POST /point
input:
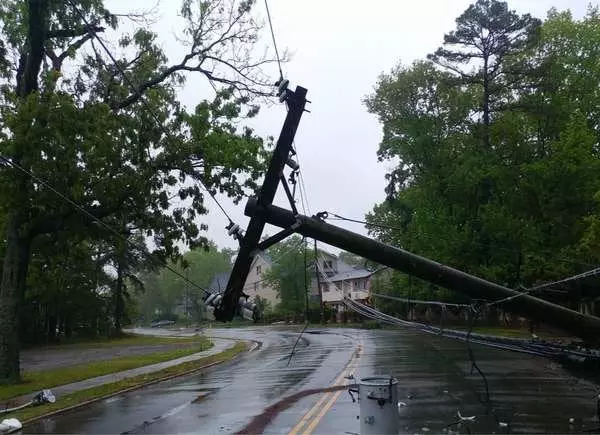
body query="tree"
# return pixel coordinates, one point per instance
(523, 210)
(70, 117)
(288, 274)
(164, 290)
(487, 32)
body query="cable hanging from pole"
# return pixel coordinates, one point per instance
(274, 40)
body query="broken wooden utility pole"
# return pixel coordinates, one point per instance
(581, 325)
(296, 102)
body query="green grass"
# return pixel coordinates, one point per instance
(124, 340)
(69, 400)
(36, 380)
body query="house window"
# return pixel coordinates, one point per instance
(325, 287)
(355, 284)
(258, 269)
(328, 264)
(363, 284)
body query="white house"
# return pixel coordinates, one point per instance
(339, 280)
(256, 284)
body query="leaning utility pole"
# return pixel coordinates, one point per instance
(249, 243)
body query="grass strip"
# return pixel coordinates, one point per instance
(123, 340)
(36, 380)
(90, 395)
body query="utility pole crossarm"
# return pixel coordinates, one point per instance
(578, 324)
(296, 102)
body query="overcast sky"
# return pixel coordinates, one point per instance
(338, 48)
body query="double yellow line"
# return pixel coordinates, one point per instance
(306, 426)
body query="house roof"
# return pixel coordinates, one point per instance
(219, 282)
(354, 273)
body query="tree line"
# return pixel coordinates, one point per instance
(104, 174)
(495, 144)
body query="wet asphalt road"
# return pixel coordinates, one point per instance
(530, 394)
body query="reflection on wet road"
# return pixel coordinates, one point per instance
(435, 381)
(230, 394)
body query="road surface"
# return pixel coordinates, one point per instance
(527, 394)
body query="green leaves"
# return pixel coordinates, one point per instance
(522, 209)
(121, 147)
(287, 274)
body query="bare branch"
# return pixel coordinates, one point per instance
(57, 61)
(221, 36)
(73, 33)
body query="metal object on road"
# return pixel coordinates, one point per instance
(378, 402)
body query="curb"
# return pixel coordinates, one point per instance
(133, 388)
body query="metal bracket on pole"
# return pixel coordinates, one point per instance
(276, 238)
(296, 100)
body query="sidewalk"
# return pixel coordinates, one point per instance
(220, 345)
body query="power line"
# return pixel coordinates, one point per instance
(437, 237)
(415, 301)
(589, 273)
(368, 224)
(274, 40)
(131, 84)
(303, 191)
(100, 222)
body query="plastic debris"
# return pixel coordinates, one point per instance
(10, 425)
(402, 404)
(462, 418)
(571, 420)
(502, 424)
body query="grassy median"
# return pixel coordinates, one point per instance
(82, 397)
(126, 339)
(33, 381)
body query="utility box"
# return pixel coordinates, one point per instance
(378, 401)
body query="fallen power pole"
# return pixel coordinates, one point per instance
(578, 324)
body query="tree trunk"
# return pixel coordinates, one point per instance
(16, 257)
(486, 103)
(12, 289)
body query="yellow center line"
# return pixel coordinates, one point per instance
(313, 424)
(332, 396)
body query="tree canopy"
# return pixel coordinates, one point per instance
(523, 208)
(131, 164)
